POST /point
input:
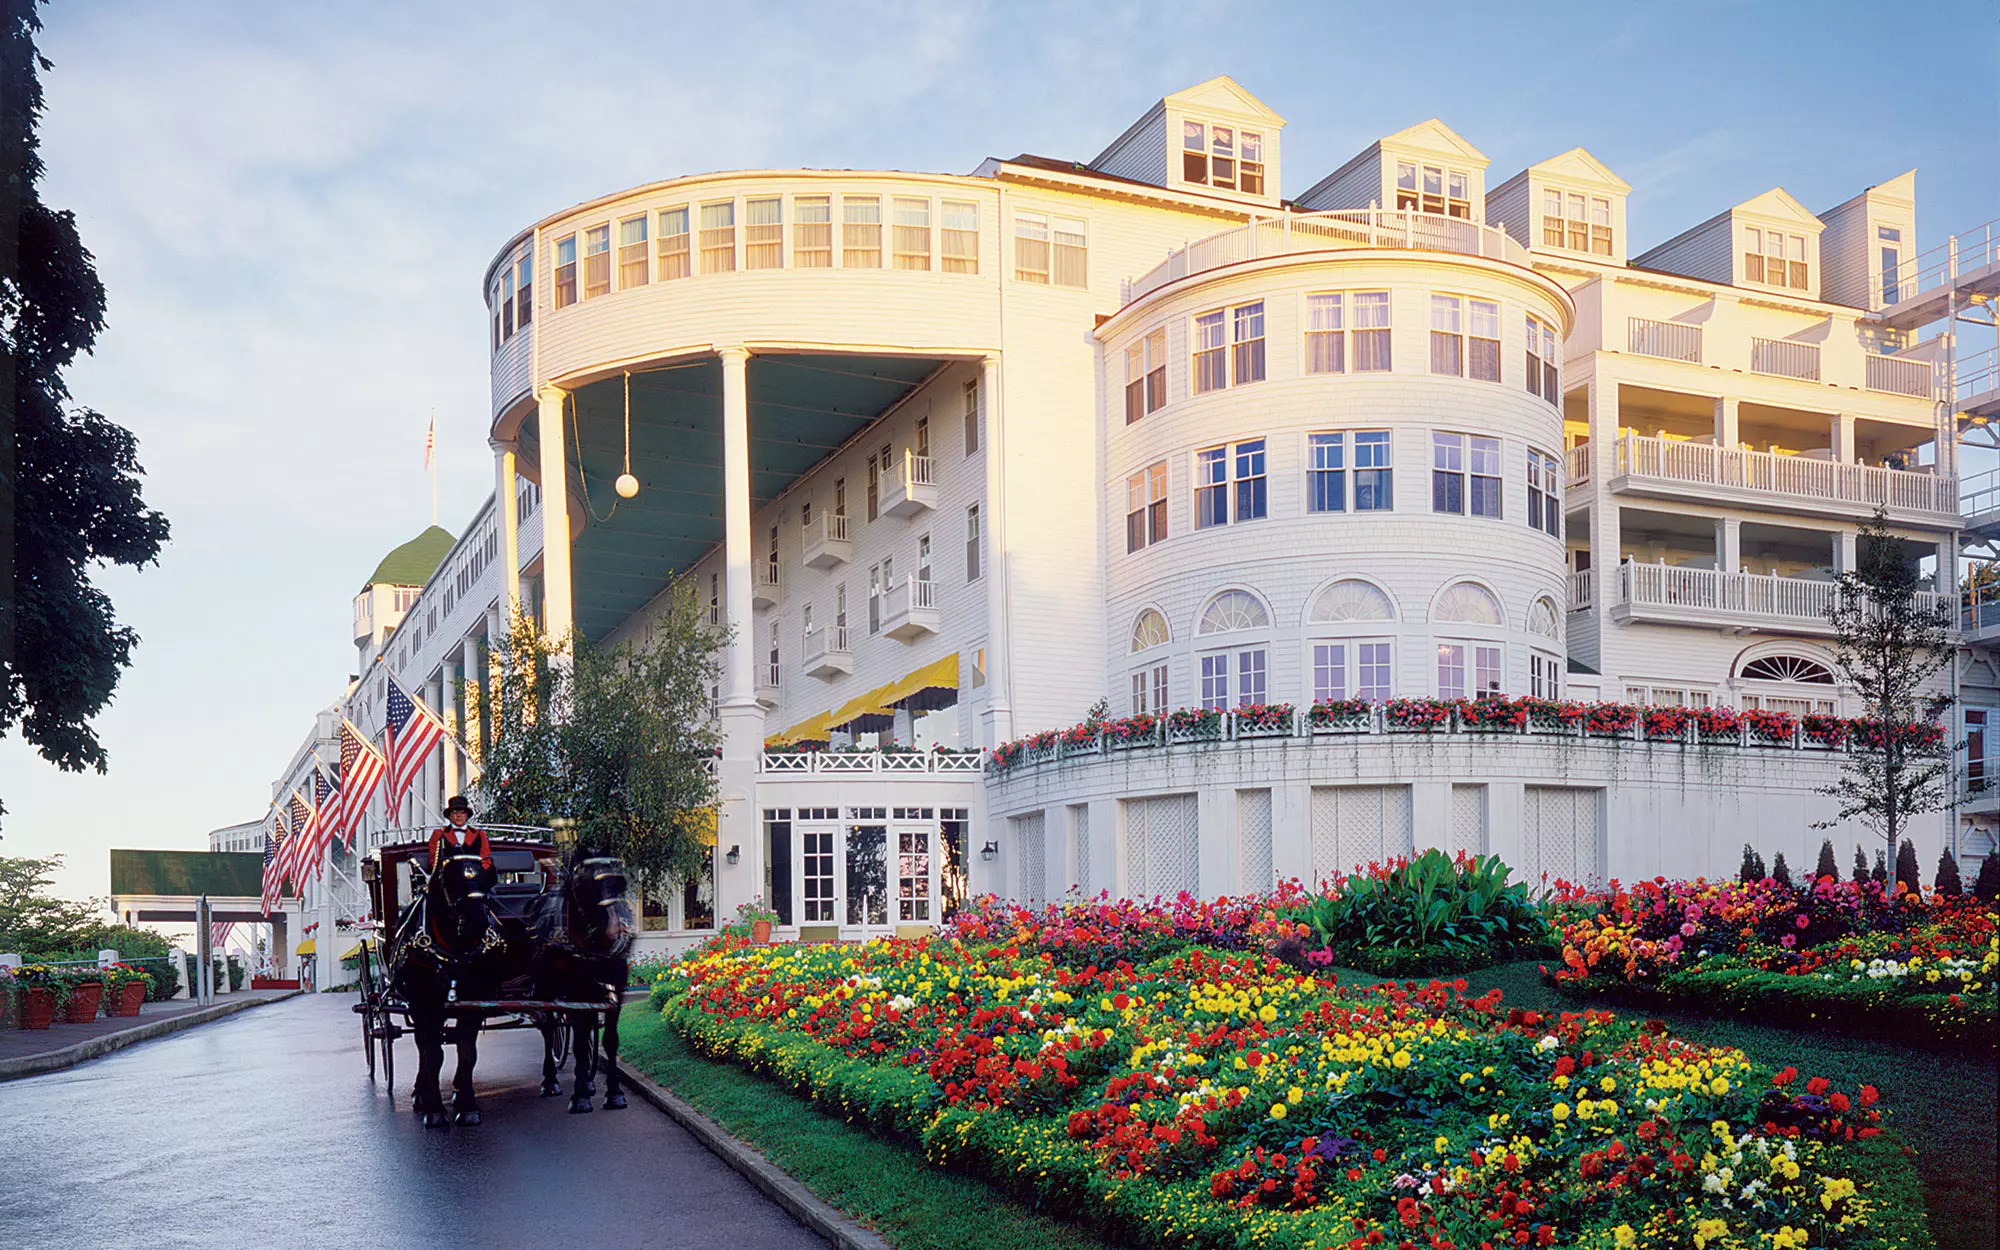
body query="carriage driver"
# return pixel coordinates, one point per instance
(458, 833)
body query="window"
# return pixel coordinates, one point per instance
(1766, 254)
(971, 393)
(1542, 618)
(764, 233)
(1351, 670)
(631, 253)
(1544, 675)
(493, 299)
(924, 558)
(1406, 184)
(1541, 343)
(1211, 370)
(1977, 771)
(840, 615)
(1325, 341)
(1211, 475)
(1544, 493)
(1159, 687)
(771, 656)
(1194, 152)
(911, 239)
(1149, 690)
(1787, 668)
(1576, 222)
(1467, 603)
(923, 438)
(715, 598)
(1451, 467)
(1072, 251)
(1891, 240)
(673, 244)
(1150, 630)
(1146, 507)
(874, 598)
(1483, 344)
(1600, 225)
(1252, 678)
(1372, 485)
(1350, 599)
(1145, 375)
(874, 485)
(1447, 335)
(812, 232)
(1252, 685)
(1250, 168)
(507, 303)
(1453, 674)
(1215, 681)
(1483, 497)
(1222, 157)
(565, 257)
(816, 874)
(771, 564)
(1031, 248)
(718, 237)
(1326, 473)
(1233, 610)
(596, 261)
(1447, 191)
(1371, 331)
(1247, 361)
(524, 288)
(972, 548)
(913, 875)
(860, 232)
(1251, 496)
(840, 497)
(958, 242)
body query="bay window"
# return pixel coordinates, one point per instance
(812, 232)
(674, 261)
(597, 261)
(1371, 331)
(718, 237)
(1325, 335)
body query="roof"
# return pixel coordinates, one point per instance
(413, 563)
(188, 874)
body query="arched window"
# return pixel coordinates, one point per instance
(1787, 668)
(1150, 630)
(1350, 600)
(1542, 619)
(1467, 603)
(1232, 610)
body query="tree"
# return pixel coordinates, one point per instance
(1889, 647)
(35, 922)
(613, 741)
(1780, 871)
(1860, 863)
(1827, 866)
(1879, 874)
(1908, 875)
(1947, 883)
(1753, 865)
(1986, 886)
(69, 477)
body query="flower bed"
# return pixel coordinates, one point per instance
(1208, 1099)
(1842, 953)
(1262, 719)
(1416, 715)
(1492, 715)
(1338, 715)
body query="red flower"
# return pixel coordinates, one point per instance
(1869, 1094)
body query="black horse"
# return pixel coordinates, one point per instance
(447, 949)
(583, 955)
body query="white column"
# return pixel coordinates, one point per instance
(1729, 545)
(473, 724)
(558, 602)
(999, 725)
(1727, 434)
(448, 709)
(1843, 438)
(505, 484)
(742, 716)
(1601, 398)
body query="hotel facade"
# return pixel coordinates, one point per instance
(955, 458)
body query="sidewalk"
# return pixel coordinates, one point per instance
(26, 1052)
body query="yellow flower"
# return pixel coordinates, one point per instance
(1267, 1013)
(1625, 1235)
(1294, 1095)
(1442, 1145)
(1719, 1086)
(1607, 1085)
(1401, 1059)
(1277, 1111)
(1560, 1111)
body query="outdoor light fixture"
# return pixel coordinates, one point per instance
(627, 485)
(989, 850)
(735, 853)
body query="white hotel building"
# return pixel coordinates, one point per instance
(953, 457)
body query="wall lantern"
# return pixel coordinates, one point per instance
(735, 853)
(989, 850)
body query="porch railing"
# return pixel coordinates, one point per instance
(1804, 477)
(848, 763)
(1582, 589)
(1915, 378)
(1756, 594)
(1668, 340)
(1785, 359)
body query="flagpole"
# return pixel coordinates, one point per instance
(430, 462)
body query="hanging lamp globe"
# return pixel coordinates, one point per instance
(626, 486)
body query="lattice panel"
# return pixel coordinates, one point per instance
(1161, 836)
(1079, 848)
(1353, 826)
(1559, 836)
(1253, 841)
(1031, 850)
(1468, 820)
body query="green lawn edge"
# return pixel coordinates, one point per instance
(885, 1183)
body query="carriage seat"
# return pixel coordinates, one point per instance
(518, 882)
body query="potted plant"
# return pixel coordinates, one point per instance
(86, 995)
(1194, 724)
(44, 992)
(1768, 728)
(1558, 716)
(759, 917)
(1493, 714)
(1819, 730)
(125, 987)
(1262, 720)
(1718, 725)
(1416, 715)
(1610, 720)
(1340, 715)
(1667, 723)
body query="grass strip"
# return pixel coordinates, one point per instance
(885, 1183)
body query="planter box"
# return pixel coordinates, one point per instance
(83, 1002)
(1731, 739)
(38, 1007)
(130, 995)
(1543, 725)
(1342, 725)
(1263, 731)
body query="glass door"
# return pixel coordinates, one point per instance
(865, 860)
(916, 874)
(817, 836)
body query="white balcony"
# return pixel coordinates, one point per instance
(1667, 340)
(826, 543)
(769, 691)
(1783, 358)
(764, 593)
(1668, 468)
(909, 488)
(827, 654)
(1582, 589)
(1915, 378)
(1576, 464)
(1738, 602)
(909, 609)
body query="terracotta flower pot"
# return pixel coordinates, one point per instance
(38, 1007)
(83, 1002)
(130, 995)
(760, 932)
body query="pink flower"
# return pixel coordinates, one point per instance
(1788, 941)
(1688, 929)
(1801, 920)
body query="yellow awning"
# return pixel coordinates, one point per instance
(305, 948)
(881, 701)
(811, 729)
(352, 951)
(942, 674)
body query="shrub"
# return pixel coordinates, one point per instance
(1780, 872)
(1429, 912)
(1827, 866)
(1753, 866)
(1986, 886)
(1908, 875)
(1947, 883)
(1880, 873)
(1860, 863)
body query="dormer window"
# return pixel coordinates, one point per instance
(1774, 258)
(1222, 157)
(1433, 189)
(1576, 222)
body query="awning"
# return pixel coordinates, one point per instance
(811, 729)
(933, 686)
(925, 689)
(352, 951)
(305, 948)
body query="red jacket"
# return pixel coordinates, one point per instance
(447, 837)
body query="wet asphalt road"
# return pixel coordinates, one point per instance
(263, 1130)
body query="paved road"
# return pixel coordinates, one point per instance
(263, 1130)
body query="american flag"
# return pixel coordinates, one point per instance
(413, 733)
(273, 882)
(293, 854)
(218, 933)
(430, 442)
(319, 829)
(361, 769)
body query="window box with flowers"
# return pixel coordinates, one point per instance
(1869, 734)
(1078, 740)
(1763, 727)
(1416, 716)
(1262, 720)
(1044, 746)
(1610, 720)
(1492, 716)
(1718, 726)
(1340, 716)
(1131, 733)
(1008, 755)
(1194, 724)
(1825, 733)
(1553, 716)
(1667, 724)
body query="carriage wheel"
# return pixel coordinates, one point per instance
(561, 1046)
(368, 1001)
(388, 1054)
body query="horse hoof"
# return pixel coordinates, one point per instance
(550, 1089)
(434, 1119)
(614, 1102)
(587, 1090)
(468, 1116)
(579, 1106)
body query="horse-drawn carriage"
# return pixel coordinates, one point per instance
(536, 940)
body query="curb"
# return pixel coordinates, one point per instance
(780, 1186)
(104, 1044)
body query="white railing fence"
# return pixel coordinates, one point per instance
(1576, 464)
(917, 470)
(1757, 594)
(1668, 340)
(1785, 359)
(1582, 589)
(1891, 374)
(1960, 254)
(848, 763)
(1806, 477)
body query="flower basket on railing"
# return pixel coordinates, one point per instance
(1194, 724)
(1077, 740)
(1007, 755)
(1340, 716)
(1418, 716)
(1764, 727)
(1043, 746)
(1718, 726)
(1827, 733)
(1132, 732)
(1553, 716)
(1610, 720)
(1491, 715)
(1667, 724)
(1262, 720)
(1870, 734)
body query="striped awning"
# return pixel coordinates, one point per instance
(922, 690)
(307, 947)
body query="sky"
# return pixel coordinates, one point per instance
(292, 206)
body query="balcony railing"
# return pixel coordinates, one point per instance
(1582, 589)
(1669, 340)
(825, 541)
(1293, 233)
(1798, 477)
(1576, 464)
(917, 470)
(1713, 592)
(1785, 359)
(909, 608)
(765, 593)
(826, 652)
(1915, 378)
(847, 763)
